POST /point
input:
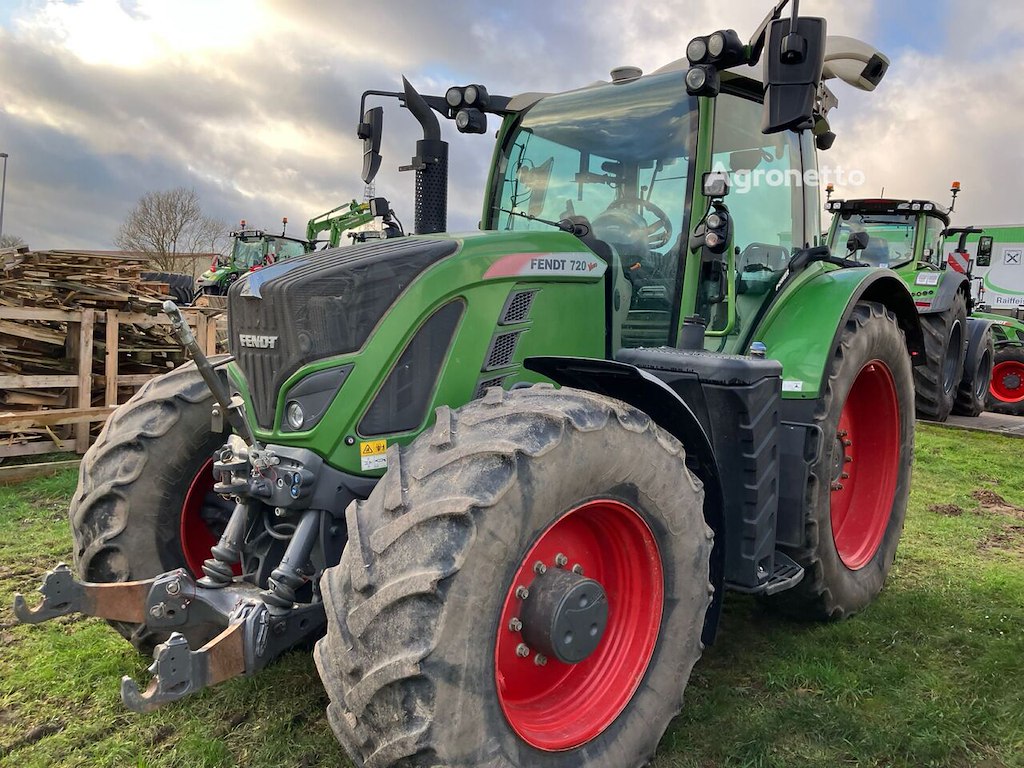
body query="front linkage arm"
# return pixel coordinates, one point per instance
(252, 636)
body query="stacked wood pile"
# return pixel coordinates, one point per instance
(63, 285)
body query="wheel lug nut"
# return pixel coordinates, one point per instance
(540, 659)
(845, 475)
(514, 624)
(843, 433)
(522, 592)
(522, 650)
(848, 459)
(539, 567)
(561, 560)
(847, 442)
(577, 569)
(837, 486)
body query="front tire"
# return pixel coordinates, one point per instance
(1006, 391)
(935, 382)
(858, 489)
(422, 660)
(145, 503)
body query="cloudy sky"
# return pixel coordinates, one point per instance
(253, 103)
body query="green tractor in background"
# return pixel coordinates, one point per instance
(1006, 391)
(508, 476)
(974, 361)
(251, 249)
(348, 216)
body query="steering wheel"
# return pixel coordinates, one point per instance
(660, 231)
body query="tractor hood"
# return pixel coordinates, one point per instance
(317, 306)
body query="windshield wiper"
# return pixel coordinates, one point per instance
(578, 225)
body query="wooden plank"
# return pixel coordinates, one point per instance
(32, 313)
(12, 422)
(34, 448)
(110, 363)
(84, 377)
(22, 472)
(135, 379)
(41, 333)
(198, 323)
(15, 381)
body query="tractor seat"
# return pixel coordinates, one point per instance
(877, 252)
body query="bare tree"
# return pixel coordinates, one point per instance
(171, 229)
(11, 241)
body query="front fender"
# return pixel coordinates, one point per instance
(950, 283)
(654, 397)
(801, 329)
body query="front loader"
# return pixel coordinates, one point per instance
(507, 476)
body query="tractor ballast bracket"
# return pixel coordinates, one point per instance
(252, 636)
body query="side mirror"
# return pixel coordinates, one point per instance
(370, 132)
(857, 241)
(795, 62)
(379, 207)
(984, 252)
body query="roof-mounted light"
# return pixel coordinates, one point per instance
(915, 206)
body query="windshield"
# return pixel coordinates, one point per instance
(891, 242)
(248, 251)
(619, 155)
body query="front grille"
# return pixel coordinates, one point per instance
(319, 305)
(502, 351)
(517, 308)
(402, 401)
(483, 386)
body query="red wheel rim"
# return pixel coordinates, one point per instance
(1008, 381)
(560, 706)
(196, 537)
(866, 465)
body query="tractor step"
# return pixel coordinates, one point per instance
(786, 575)
(254, 633)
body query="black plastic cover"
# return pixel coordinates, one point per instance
(737, 399)
(316, 306)
(402, 401)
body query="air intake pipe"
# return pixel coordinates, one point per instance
(430, 207)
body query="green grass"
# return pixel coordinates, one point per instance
(932, 674)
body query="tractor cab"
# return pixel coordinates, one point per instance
(901, 233)
(251, 249)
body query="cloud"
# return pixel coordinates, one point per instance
(255, 103)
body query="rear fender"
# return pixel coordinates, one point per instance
(803, 326)
(951, 283)
(640, 389)
(977, 330)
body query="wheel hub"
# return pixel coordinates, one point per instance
(1011, 381)
(564, 615)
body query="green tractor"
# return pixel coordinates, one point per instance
(507, 477)
(975, 358)
(348, 216)
(251, 249)
(909, 236)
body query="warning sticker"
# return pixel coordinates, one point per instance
(792, 385)
(373, 455)
(928, 278)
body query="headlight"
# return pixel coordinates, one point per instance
(697, 50)
(453, 96)
(714, 221)
(295, 416)
(696, 79)
(716, 44)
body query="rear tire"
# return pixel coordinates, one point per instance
(149, 469)
(855, 521)
(945, 344)
(418, 610)
(1006, 390)
(974, 387)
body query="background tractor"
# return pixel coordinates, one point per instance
(345, 218)
(502, 571)
(997, 258)
(251, 249)
(908, 236)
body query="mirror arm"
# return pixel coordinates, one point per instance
(757, 40)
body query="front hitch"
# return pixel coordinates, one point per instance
(251, 635)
